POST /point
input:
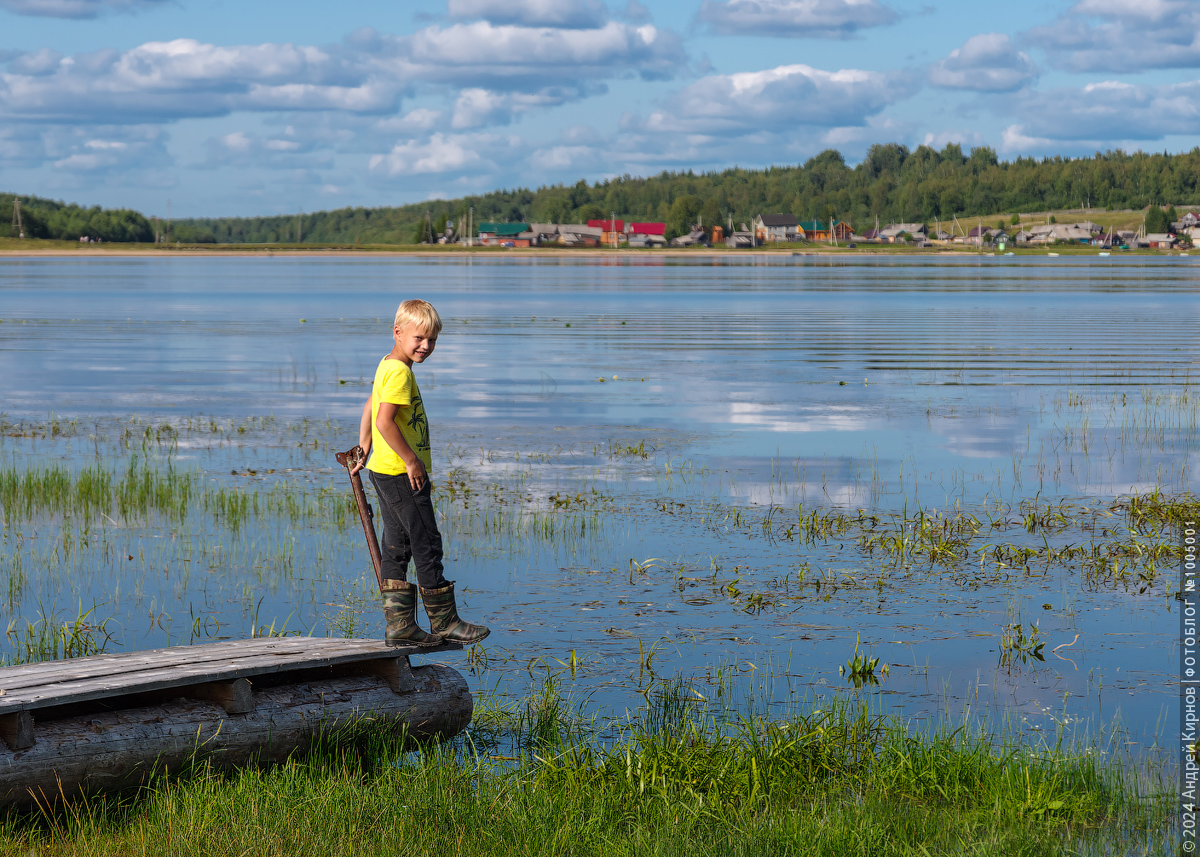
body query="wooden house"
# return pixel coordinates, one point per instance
(613, 231)
(813, 230)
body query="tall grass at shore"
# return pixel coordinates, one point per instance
(834, 781)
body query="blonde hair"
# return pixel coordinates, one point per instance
(421, 313)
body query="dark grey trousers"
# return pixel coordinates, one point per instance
(410, 530)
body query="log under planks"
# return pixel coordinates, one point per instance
(108, 722)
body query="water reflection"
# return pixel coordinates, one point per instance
(605, 516)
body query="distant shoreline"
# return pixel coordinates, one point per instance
(66, 250)
(110, 251)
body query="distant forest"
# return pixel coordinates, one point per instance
(45, 218)
(892, 184)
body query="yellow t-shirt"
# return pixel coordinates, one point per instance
(395, 383)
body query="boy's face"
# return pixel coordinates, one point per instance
(414, 342)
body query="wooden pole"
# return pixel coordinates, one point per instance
(349, 459)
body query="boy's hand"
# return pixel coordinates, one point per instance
(417, 477)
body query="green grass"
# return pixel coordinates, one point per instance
(822, 782)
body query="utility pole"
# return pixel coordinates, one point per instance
(299, 223)
(156, 235)
(18, 227)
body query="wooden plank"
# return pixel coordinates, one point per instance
(17, 730)
(25, 674)
(188, 665)
(34, 675)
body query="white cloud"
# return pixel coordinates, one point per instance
(564, 158)
(476, 107)
(774, 100)
(533, 13)
(813, 18)
(413, 123)
(984, 63)
(966, 139)
(495, 57)
(73, 8)
(184, 77)
(1122, 35)
(166, 81)
(1112, 111)
(439, 154)
(286, 150)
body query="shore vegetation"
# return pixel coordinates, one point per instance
(532, 778)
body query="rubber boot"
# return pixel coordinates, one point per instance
(443, 617)
(399, 609)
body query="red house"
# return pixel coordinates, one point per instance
(647, 234)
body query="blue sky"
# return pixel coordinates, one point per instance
(267, 106)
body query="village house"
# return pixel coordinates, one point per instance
(613, 231)
(1159, 240)
(776, 227)
(647, 234)
(579, 235)
(696, 235)
(740, 240)
(1189, 219)
(491, 234)
(915, 232)
(978, 235)
(541, 233)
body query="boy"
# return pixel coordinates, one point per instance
(395, 429)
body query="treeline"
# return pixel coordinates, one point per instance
(47, 218)
(893, 184)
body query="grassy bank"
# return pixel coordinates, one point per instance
(527, 782)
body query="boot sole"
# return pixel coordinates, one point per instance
(468, 641)
(396, 644)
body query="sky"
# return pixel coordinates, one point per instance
(219, 108)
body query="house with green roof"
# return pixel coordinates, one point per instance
(493, 233)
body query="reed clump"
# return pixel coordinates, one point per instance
(834, 782)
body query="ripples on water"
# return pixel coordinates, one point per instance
(626, 454)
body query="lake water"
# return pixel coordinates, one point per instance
(624, 453)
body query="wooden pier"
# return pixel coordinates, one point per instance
(108, 721)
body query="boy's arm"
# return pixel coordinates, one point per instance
(385, 421)
(364, 437)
